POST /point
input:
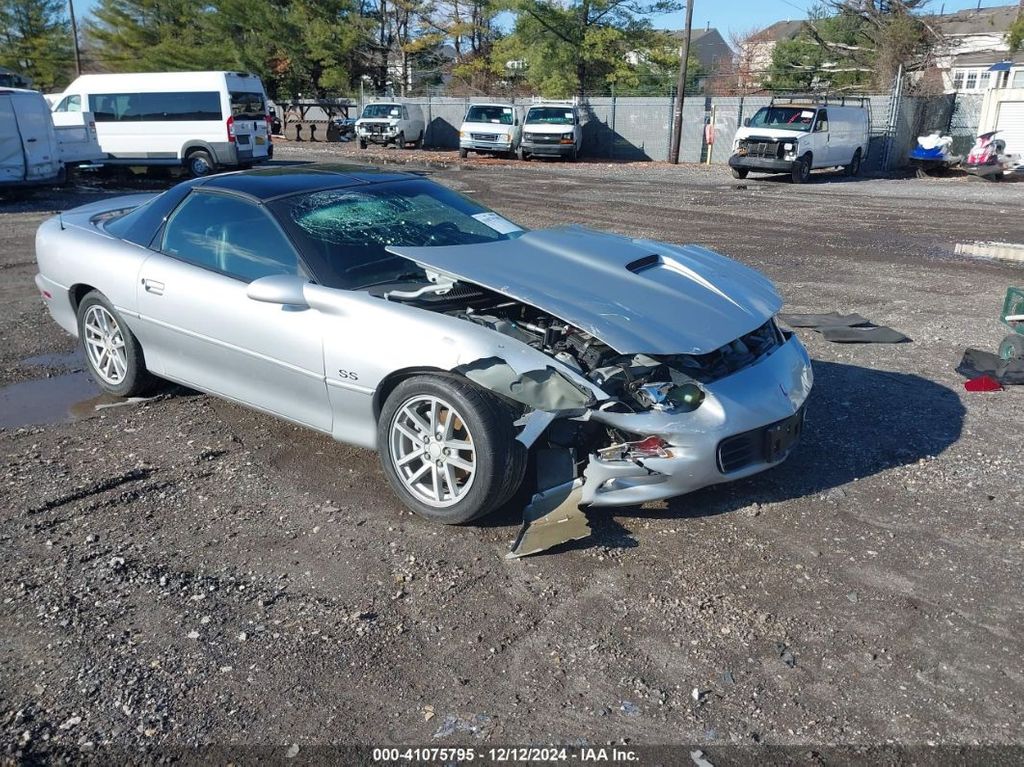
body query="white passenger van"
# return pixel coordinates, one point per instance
(202, 120)
(796, 134)
(490, 129)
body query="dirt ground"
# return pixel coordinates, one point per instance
(182, 571)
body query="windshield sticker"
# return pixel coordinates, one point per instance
(507, 110)
(497, 223)
(568, 115)
(807, 113)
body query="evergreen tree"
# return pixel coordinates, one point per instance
(35, 40)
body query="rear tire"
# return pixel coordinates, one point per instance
(112, 353)
(853, 169)
(463, 154)
(491, 463)
(801, 173)
(740, 173)
(200, 163)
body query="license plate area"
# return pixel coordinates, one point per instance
(781, 436)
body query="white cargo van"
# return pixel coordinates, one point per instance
(29, 153)
(388, 122)
(551, 129)
(490, 129)
(796, 135)
(202, 120)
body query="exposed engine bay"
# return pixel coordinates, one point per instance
(638, 382)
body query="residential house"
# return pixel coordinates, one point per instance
(973, 55)
(755, 56)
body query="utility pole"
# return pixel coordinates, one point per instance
(677, 112)
(74, 37)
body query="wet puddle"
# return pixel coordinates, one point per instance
(68, 393)
(1000, 251)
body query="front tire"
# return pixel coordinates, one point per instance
(520, 154)
(200, 164)
(112, 352)
(740, 173)
(400, 140)
(802, 170)
(449, 449)
(463, 154)
(362, 144)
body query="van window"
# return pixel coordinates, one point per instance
(381, 110)
(789, 118)
(490, 114)
(551, 115)
(822, 124)
(155, 107)
(70, 104)
(249, 105)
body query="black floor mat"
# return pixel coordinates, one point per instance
(979, 363)
(845, 328)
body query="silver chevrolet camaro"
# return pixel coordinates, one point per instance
(482, 361)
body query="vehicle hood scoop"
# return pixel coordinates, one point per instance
(638, 296)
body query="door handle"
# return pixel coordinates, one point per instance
(30, 141)
(153, 286)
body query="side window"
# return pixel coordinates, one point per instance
(70, 104)
(822, 124)
(115, 107)
(405, 113)
(230, 236)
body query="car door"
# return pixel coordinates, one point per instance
(820, 145)
(203, 329)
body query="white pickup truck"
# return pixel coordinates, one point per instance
(34, 151)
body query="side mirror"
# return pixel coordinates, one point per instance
(746, 122)
(285, 289)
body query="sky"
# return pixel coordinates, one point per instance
(738, 17)
(732, 17)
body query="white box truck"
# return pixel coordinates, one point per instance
(797, 134)
(200, 120)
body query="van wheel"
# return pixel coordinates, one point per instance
(463, 154)
(362, 144)
(520, 154)
(199, 163)
(418, 144)
(400, 140)
(853, 169)
(739, 173)
(802, 170)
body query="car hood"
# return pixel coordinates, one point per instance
(546, 128)
(772, 133)
(637, 296)
(486, 128)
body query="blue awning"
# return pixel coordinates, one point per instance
(1002, 66)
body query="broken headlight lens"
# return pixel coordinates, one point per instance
(670, 397)
(649, 447)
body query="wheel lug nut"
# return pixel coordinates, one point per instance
(447, 451)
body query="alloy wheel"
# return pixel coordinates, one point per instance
(432, 451)
(104, 343)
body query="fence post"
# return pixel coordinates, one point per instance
(611, 147)
(895, 99)
(430, 117)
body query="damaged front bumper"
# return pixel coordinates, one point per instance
(747, 423)
(705, 447)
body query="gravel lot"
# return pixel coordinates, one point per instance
(182, 571)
